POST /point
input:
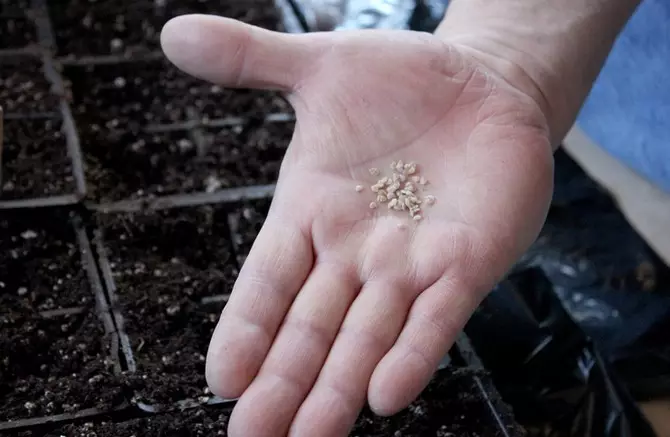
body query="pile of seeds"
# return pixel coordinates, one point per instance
(400, 190)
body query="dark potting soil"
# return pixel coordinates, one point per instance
(53, 366)
(23, 86)
(449, 407)
(103, 27)
(125, 165)
(35, 160)
(16, 28)
(40, 264)
(198, 422)
(245, 224)
(163, 264)
(135, 94)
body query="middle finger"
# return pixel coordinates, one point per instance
(298, 352)
(368, 332)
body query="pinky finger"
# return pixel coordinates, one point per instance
(433, 324)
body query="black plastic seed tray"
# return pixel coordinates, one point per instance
(149, 130)
(165, 319)
(53, 306)
(471, 412)
(167, 273)
(162, 162)
(128, 135)
(41, 154)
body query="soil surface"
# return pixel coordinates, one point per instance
(131, 95)
(16, 28)
(35, 160)
(199, 422)
(48, 364)
(103, 27)
(53, 366)
(125, 165)
(164, 263)
(450, 407)
(40, 264)
(23, 87)
(245, 224)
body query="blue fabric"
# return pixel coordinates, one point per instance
(628, 110)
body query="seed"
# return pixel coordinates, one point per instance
(359, 188)
(400, 191)
(430, 199)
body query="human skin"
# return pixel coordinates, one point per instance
(336, 304)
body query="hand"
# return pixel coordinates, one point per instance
(336, 303)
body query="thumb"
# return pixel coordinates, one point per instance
(238, 55)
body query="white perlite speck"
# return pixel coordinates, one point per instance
(401, 190)
(29, 234)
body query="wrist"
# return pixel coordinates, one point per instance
(550, 51)
(520, 70)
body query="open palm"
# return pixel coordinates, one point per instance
(339, 302)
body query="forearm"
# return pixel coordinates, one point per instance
(551, 49)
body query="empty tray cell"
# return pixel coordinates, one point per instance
(23, 87)
(35, 160)
(124, 95)
(249, 154)
(245, 224)
(163, 263)
(127, 165)
(54, 365)
(103, 27)
(40, 264)
(136, 94)
(16, 28)
(451, 405)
